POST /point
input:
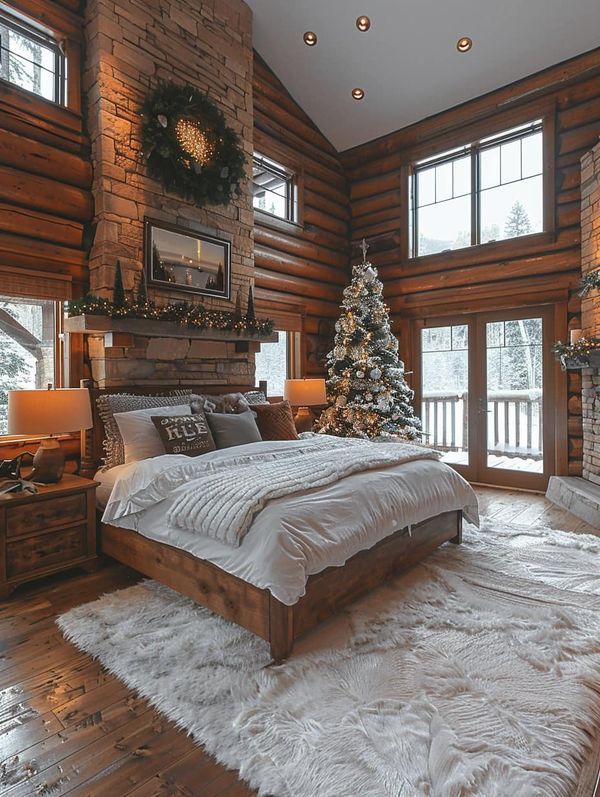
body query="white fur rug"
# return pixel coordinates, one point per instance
(476, 674)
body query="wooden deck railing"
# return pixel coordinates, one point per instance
(515, 420)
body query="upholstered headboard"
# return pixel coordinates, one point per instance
(92, 452)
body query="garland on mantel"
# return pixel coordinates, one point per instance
(184, 313)
(578, 352)
(589, 282)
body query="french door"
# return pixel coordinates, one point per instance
(483, 383)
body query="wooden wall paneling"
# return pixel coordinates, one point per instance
(45, 170)
(304, 264)
(527, 271)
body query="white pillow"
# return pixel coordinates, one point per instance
(140, 437)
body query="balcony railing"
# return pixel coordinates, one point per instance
(515, 420)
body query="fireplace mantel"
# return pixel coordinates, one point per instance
(593, 361)
(149, 328)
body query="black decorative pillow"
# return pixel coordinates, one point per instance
(184, 434)
(110, 403)
(230, 403)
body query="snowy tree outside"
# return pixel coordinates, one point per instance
(514, 373)
(26, 62)
(27, 339)
(510, 195)
(272, 364)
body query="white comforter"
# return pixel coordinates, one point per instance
(220, 499)
(298, 535)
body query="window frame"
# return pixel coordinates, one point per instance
(290, 176)
(289, 318)
(65, 28)
(28, 30)
(59, 366)
(454, 139)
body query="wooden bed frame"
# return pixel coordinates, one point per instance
(237, 600)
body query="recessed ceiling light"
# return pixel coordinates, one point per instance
(358, 94)
(363, 23)
(464, 44)
(310, 38)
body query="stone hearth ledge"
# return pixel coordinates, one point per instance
(578, 496)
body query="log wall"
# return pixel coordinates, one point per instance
(304, 267)
(479, 279)
(45, 172)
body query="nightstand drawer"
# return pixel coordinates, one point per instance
(46, 514)
(45, 550)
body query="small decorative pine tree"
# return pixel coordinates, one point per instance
(517, 222)
(250, 313)
(119, 290)
(366, 390)
(142, 297)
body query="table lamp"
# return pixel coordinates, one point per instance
(304, 394)
(48, 412)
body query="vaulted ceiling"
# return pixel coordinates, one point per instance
(408, 63)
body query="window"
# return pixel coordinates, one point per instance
(487, 191)
(31, 59)
(273, 363)
(274, 189)
(28, 350)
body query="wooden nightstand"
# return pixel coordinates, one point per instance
(50, 531)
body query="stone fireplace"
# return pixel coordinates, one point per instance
(590, 311)
(581, 496)
(131, 45)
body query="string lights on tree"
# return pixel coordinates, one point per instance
(366, 390)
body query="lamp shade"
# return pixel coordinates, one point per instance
(44, 412)
(305, 392)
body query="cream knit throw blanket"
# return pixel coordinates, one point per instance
(222, 504)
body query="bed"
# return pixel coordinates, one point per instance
(305, 556)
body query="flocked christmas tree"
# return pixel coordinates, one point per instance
(366, 390)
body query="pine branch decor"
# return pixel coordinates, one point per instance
(590, 282)
(366, 390)
(577, 352)
(189, 147)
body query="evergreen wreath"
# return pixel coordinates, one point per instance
(210, 167)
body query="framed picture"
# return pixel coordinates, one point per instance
(181, 259)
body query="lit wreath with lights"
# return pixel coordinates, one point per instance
(189, 147)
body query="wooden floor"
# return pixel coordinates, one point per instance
(66, 727)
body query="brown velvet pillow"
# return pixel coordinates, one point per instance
(184, 434)
(275, 421)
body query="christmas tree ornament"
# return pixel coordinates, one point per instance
(381, 406)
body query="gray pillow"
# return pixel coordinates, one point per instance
(230, 430)
(109, 404)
